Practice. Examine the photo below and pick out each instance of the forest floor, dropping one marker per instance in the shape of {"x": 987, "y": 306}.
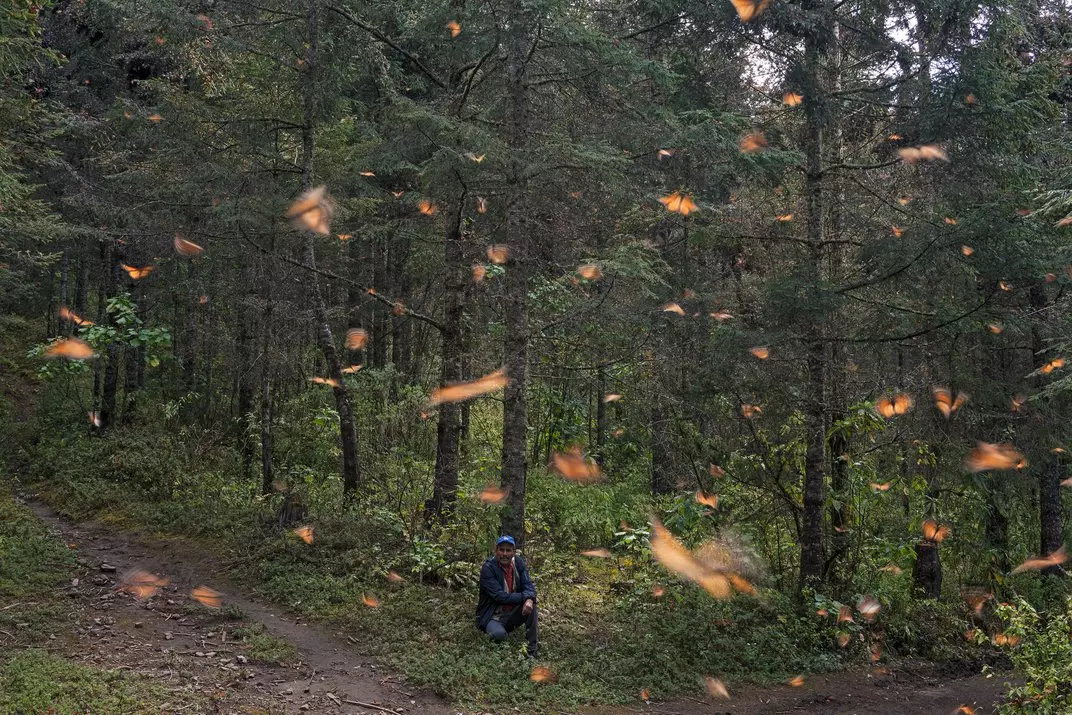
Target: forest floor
{"x": 252, "y": 658}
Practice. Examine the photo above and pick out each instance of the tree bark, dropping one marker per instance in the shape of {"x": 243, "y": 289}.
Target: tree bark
{"x": 445, "y": 483}
{"x": 515, "y": 347}
{"x": 113, "y": 352}
{"x": 66, "y": 327}
{"x": 927, "y": 571}
{"x": 815, "y": 411}
{"x": 351, "y": 474}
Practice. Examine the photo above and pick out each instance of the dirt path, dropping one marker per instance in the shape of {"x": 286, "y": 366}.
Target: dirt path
{"x": 170, "y": 638}
{"x": 165, "y": 637}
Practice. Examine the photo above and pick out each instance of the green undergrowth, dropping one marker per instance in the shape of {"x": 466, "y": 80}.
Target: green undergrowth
{"x": 260, "y": 645}
{"x": 34, "y": 681}
{"x": 34, "y": 564}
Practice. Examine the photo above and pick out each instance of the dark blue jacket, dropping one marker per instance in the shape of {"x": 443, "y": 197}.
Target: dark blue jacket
{"x": 493, "y": 591}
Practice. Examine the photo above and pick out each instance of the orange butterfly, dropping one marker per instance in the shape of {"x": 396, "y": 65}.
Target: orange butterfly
{"x": 356, "y": 338}
{"x": 207, "y": 597}
{"x": 715, "y": 687}
{"x": 590, "y": 272}
{"x": 460, "y": 391}
{"x": 796, "y": 682}
{"x": 479, "y": 272}
{"x": 710, "y": 500}
{"x": 71, "y": 349}
{"x": 784, "y": 217}
{"x": 187, "y": 248}
{"x": 473, "y": 157}
{"x": 718, "y": 581}
{"x": 428, "y": 208}
{"x": 498, "y": 254}
{"x": 967, "y": 250}
{"x": 542, "y": 674}
{"x": 928, "y": 152}
{"x": 330, "y": 381}
{"x": 749, "y": 10}
{"x": 351, "y": 369}
{"x": 481, "y": 205}
{"x": 750, "y": 411}
{"x": 933, "y": 531}
{"x": 674, "y": 308}
{"x": 752, "y": 143}
{"x": 312, "y": 211}
{"x": 305, "y": 533}
{"x": 67, "y": 314}
{"x": 573, "y": 466}
{"x": 791, "y": 99}
{"x": 137, "y": 273}
{"x": 892, "y": 407}
{"x": 1052, "y": 365}
{"x": 1055, "y": 559}
{"x": 897, "y": 231}
{"x": 597, "y": 553}
{"x": 370, "y": 601}
{"x": 366, "y": 173}
{"x": 491, "y": 495}
{"x": 946, "y": 403}
{"x": 721, "y": 315}
{"x": 994, "y": 456}
{"x": 760, "y": 352}
{"x": 679, "y": 203}
{"x": 455, "y": 28}
{"x": 141, "y": 584}
{"x": 664, "y": 154}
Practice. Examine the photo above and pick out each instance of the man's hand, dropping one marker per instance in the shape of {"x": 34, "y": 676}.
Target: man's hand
{"x": 527, "y": 608}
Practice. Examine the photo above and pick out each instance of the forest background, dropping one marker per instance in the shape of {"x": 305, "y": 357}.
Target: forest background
{"x": 789, "y": 275}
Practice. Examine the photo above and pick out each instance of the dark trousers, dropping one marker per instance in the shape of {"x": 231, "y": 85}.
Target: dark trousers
{"x": 498, "y": 629}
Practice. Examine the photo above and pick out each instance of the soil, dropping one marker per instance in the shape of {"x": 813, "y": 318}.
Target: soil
{"x": 187, "y": 647}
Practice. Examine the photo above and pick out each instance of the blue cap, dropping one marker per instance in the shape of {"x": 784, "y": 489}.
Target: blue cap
{"x": 506, "y": 540}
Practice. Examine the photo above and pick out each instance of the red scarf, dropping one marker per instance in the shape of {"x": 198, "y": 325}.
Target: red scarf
{"x": 508, "y": 574}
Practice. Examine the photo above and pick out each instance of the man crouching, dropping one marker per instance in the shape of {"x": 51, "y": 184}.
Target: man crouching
{"x": 507, "y": 595}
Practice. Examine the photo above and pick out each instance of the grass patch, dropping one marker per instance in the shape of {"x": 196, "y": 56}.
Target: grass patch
{"x": 34, "y": 681}
{"x": 260, "y": 645}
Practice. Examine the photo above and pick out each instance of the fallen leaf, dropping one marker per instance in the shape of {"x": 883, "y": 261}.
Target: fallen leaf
{"x": 457, "y": 392}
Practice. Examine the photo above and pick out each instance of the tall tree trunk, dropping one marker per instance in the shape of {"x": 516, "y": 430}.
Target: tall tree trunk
{"x": 267, "y": 467}
{"x": 662, "y": 472}
{"x": 1051, "y": 513}
{"x": 351, "y": 474}
{"x": 66, "y": 327}
{"x": 515, "y": 344}
{"x": 246, "y": 387}
{"x": 445, "y": 484}
{"x": 600, "y": 441}
{"x": 815, "y": 411}
{"x": 113, "y": 352}
{"x": 81, "y": 286}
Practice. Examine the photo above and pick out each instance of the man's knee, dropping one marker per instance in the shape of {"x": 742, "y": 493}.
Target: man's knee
{"x": 496, "y": 631}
